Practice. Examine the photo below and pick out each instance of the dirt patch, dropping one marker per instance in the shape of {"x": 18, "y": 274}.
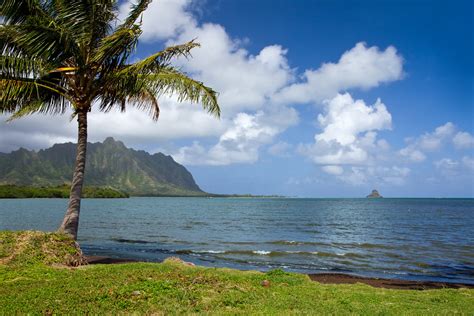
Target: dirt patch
{"x": 107, "y": 260}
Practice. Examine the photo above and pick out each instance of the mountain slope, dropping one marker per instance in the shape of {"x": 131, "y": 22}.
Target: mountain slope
{"x": 108, "y": 164}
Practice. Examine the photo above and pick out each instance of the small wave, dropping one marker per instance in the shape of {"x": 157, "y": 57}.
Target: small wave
{"x": 268, "y": 253}
{"x": 262, "y": 252}
{"x": 285, "y": 242}
{"x": 209, "y": 251}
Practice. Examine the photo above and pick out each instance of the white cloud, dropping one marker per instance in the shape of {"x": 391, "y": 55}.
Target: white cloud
{"x": 417, "y": 148}
{"x": 241, "y": 142}
{"x": 463, "y": 140}
{"x": 455, "y": 169}
{"x": 361, "y": 67}
{"x": 334, "y": 170}
{"x": 176, "y": 121}
{"x": 378, "y": 175}
{"x": 163, "y": 18}
{"x": 346, "y": 118}
{"x": 244, "y": 81}
{"x": 412, "y": 154}
{"x": 256, "y": 92}
{"x": 448, "y": 167}
{"x": 35, "y": 132}
{"x": 348, "y": 148}
{"x": 134, "y": 127}
{"x": 394, "y": 175}
{"x": 348, "y": 135}
{"x": 355, "y": 176}
{"x": 433, "y": 141}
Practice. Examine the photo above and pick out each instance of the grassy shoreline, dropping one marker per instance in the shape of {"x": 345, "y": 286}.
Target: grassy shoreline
{"x": 10, "y": 191}
{"x": 62, "y": 191}
{"x": 36, "y": 277}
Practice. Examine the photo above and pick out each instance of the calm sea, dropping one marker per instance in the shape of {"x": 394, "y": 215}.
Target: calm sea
{"x": 422, "y": 239}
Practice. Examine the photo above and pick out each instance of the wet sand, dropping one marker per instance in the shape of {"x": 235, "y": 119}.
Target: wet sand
{"x": 107, "y": 260}
{"x": 333, "y": 278}
{"x": 339, "y": 278}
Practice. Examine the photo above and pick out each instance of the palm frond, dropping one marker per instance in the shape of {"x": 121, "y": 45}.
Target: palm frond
{"x": 147, "y": 101}
{"x": 114, "y": 50}
{"x": 35, "y": 40}
{"x": 172, "y": 82}
{"x": 62, "y": 53}
{"x": 14, "y": 11}
{"x": 135, "y": 13}
{"x": 18, "y": 66}
{"x": 124, "y": 86}
{"x": 162, "y": 58}
{"x": 22, "y": 96}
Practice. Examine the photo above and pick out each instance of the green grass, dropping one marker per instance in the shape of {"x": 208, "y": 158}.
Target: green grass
{"x": 31, "y": 281}
{"x": 62, "y": 191}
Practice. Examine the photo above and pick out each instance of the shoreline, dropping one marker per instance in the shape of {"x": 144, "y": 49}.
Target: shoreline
{"x": 332, "y": 278}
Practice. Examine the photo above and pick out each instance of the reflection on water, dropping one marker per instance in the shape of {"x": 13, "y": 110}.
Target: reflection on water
{"x": 429, "y": 239}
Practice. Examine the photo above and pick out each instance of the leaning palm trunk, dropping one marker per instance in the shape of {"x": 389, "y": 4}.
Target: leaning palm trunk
{"x": 70, "y": 223}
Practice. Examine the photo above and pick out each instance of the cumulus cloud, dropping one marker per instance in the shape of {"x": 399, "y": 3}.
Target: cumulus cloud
{"x": 249, "y": 82}
{"x": 360, "y": 67}
{"x": 241, "y": 142}
{"x": 463, "y": 140}
{"x": 334, "y": 170}
{"x": 412, "y": 154}
{"x": 162, "y": 19}
{"x": 447, "y": 166}
{"x": 134, "y": 127}
{"x": 455, "y": 168}
{"x": 244, "y": 81}
{"x": 348, "y": 148}
{"x": 362, "y": 175}
{"x": 418, "y": 147}
{"x": 257, "y": 91}
{"x": 35, "y": 132}
{"x": 349, "y": 132}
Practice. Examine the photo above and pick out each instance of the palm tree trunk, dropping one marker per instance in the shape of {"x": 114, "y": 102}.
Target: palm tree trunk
{"x": 71, "y": 219}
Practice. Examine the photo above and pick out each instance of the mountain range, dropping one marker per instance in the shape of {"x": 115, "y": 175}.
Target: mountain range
{"x": 109, "y": 164}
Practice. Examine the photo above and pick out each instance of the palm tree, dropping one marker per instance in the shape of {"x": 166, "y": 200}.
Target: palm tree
{"x": 74, "y": 54}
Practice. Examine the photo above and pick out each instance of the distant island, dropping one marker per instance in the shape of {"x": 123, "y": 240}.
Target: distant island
{"x": 374, "y": 195}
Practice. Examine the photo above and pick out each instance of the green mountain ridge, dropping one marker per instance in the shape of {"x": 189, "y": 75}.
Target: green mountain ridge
{"x": 109, "y": 164}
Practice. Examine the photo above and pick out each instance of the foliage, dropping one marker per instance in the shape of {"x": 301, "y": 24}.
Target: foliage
{"x": 174, "y": 288}
{"x": 22, "y": 192}
{"x": 109, "y": 164}
{"x": 60, "y": 55}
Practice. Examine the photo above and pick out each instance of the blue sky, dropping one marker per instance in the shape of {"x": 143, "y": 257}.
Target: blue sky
{"x": 319, "y": 98}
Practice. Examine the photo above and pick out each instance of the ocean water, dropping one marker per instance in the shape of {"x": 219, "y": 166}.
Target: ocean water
{"x": 420, "y": 239}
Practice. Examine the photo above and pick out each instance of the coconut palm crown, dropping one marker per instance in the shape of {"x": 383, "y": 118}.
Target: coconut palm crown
{"x": 62, "y": 55}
